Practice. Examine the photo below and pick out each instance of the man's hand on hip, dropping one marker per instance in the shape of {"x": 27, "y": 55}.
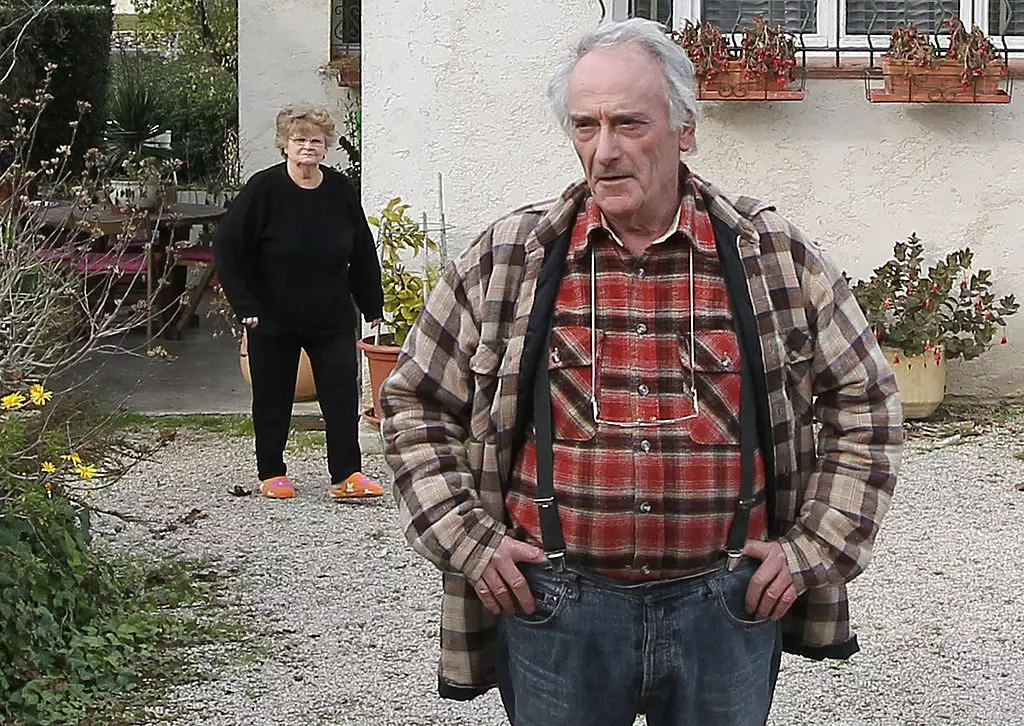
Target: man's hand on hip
{"x": 502, "y": 585}
{"x": 771, "y": 591}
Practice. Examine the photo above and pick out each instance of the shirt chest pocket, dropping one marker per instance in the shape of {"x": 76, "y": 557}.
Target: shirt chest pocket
{"x": 712, "y": 365}
{"x": 573, "y": 371}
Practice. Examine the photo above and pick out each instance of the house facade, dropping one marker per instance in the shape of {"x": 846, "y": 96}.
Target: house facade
{"x": 457, "y": 87}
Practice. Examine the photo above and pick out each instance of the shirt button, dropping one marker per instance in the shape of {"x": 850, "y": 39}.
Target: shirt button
{"x": 641, "y": 273}
{"x": 641, "y": 329}
{"x": 643, "y": 389}
{"x": 645, "y": 507}
{"x": 645, "y": 446}
{"x": 646, "y": 569}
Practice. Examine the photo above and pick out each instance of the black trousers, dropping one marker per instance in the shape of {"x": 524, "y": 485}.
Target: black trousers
{"x": 273, "y": 366}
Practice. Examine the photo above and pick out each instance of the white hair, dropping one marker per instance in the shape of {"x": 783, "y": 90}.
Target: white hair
{"x": 649, "y": 35}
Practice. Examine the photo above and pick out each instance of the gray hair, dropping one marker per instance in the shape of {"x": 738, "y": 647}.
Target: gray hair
{"x": 303, "y": 114}
{"x": 649, "y": 35}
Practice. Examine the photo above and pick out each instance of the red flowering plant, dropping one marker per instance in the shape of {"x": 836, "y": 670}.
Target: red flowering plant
{"x": 973, "y": 51}
{"x": 907, "y": 44}
{"x": 768, "y": 52}
{"x": 706, "y": 48}
{"x": 947, "y": 308}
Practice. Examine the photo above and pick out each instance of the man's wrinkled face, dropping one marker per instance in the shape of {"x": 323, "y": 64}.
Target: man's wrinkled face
{"x": 619, "y": 118}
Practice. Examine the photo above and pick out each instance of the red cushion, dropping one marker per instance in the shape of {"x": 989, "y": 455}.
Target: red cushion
{"x": 94, "y": 262}
{"x": 201, "y": 254}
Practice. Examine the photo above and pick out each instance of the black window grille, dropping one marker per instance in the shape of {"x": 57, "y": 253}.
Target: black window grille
{"x": 796, "y": 16}
{"x": 346, "y": 26}
{"x": 660, "y": 10}
{"x": 1006, "y": 17}
{"x": 878, "y": 17}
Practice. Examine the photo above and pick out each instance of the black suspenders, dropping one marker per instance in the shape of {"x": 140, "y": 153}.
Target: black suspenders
{"x": 551, "y": 526}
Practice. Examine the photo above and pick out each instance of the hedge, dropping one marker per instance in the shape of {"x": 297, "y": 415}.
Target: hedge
{"x": 77, "y": 39}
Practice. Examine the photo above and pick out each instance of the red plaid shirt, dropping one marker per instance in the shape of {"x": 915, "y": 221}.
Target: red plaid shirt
{"x": 651, "y": 502}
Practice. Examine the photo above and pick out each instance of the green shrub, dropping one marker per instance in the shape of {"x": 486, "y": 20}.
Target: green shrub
{"x": 75, "y": 630}
{"x": 77, "y": 39}
{"x": 199, "y": 103}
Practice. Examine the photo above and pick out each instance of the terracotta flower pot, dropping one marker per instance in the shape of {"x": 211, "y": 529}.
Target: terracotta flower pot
{"x": 305, "y": 386}
{"x": 381, "y": 358}
{"x": 940, "y": 82}
{"x": 731, "y": 83}
{"x": 921, "y": 380}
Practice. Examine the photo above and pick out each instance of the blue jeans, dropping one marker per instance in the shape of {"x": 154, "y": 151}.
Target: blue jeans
{"x": 599, "y": 651}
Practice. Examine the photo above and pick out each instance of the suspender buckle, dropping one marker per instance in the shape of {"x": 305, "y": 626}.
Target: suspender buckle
{"x": 557, "y": 560}
{"x": 732, "y": 559}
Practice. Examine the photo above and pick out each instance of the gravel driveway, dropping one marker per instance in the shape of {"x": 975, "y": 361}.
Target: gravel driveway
{"x": 352, "y": 611}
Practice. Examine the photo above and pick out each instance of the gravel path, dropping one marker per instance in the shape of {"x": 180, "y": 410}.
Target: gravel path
{"x": 352, "y": 611}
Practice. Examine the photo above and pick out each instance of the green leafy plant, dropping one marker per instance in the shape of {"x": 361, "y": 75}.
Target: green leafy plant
{"x": 400, "y": 237}
{"x": 75, "y": 39}
{"x": 135, "y": 120}
{"x": 944, "y": 309}
{"x": 351, "y": 143}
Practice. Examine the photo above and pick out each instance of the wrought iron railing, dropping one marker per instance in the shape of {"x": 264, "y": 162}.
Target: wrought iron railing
{"x": 346, "y": 27}
{"x": 867, "y": 22}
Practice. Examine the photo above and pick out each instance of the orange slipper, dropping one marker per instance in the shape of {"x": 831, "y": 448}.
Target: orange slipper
{"x": 357, "y": 486}
{"x": 277, "y": 487}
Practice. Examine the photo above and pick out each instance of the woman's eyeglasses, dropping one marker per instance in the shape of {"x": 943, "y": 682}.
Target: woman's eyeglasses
{"x": 302, "y": 141}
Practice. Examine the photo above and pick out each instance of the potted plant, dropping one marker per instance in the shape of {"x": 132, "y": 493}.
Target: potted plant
{"x": 924, "y": 318}
{"x": 220, "y": 309}
{"x": 764, "y": 65}
{"x": 400, "y": 239}
{"x": 916, "y": 69}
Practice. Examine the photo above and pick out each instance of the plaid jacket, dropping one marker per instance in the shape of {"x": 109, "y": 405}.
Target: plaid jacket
{"x": 450, "y": 410}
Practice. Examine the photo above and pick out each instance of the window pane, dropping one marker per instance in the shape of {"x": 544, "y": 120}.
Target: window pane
{"x": 660, "y": 10}
{"x": 796, "y": 16}
{"x": 878, "y": 17}
{"x": 345, "y": 25}
{"x": 1006, "y": 17}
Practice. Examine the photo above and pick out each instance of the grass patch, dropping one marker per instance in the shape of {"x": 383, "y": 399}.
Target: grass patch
{"x": 229, "y": 425}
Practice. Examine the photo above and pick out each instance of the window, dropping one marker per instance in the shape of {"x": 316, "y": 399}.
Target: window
{"x": 346, "y": 27}
{"x": 660, "y": 10}
{"x": 839, "y": 23}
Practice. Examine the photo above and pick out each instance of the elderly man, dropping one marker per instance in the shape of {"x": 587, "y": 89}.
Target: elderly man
{"x": 601, "y": 428}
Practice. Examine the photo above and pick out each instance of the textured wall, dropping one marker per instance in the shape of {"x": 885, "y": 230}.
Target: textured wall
{"x": 282, "y": 47}
{"x": 457, "y": 86}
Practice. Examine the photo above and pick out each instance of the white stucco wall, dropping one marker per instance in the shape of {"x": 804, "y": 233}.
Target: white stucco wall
{"x": 457, "y": 86}
{"x": 283, "y": 45}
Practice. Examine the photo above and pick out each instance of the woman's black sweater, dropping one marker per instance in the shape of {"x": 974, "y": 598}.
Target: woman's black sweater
{"x": 296, "y": 257}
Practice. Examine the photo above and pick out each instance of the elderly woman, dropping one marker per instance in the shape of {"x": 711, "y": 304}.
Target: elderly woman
{"x": 292, "y": 253}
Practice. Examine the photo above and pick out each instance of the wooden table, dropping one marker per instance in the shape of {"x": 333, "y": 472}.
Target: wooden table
{"x": 172, "y": 222}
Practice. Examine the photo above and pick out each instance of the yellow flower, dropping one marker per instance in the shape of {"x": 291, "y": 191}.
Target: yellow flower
{"x": 86, "y": 472}
{"x": 72, "y": 457}
{"x": 12, "y": 400}
{"x": 39, "y": 395}
{"x": 48, "y": 467}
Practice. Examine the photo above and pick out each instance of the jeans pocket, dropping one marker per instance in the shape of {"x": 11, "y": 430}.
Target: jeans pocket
{"x": 549, "y": 596}
{"x": 730, "y": 591}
